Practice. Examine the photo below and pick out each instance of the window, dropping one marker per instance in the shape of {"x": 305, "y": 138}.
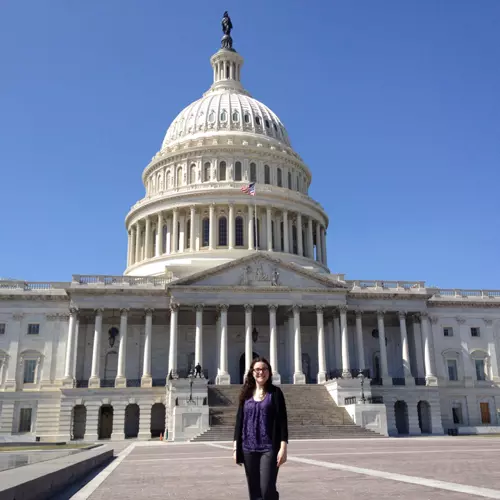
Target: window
{"x": 188, "y": 234}
{"x": 25, "y": 420}
{"x": 474, "y": 331}
{"x": 211, "y": 116}
{"x": 480, "y": 369}
{"x": 289, "y": 180}
{"x": 448, "y": 331}
{"x": 275, "y": 127}
{"x": 267, "y": 123}
{"x": 192, "y": 174}
{"x": 247, "y": 118}
{"x": 282, "y": 247}
{"x": 236, "y": 117}
{"x": 237, "y": 171}
{"x": 294, "y": 239}
{"x": 239, "y": 231}
{"x": 222, "y": 171}
{"x": 222, "y": 232}
{"x": 179, "y": 235}
{"x": 456, "y": 411}
{"x": 257, "y": 120}
{"x": 29, "y": 371}
{"x": 280, "y": 177}
{"x": 206, "y": 232}
{"x": 452, "y": 369}
{"x": 267, "y": 174}
{"x": 179, "y": 176}
{"x": 33, "y": 329}
{"x": 297, "y": 183}
{"x": 169, "y": 179}
{"x": 253, "y": 172}
{"x": 223, "y": 116}
{"x": 206, "y": 172}
{"x": 256, "y": 237}
{"x": 2, "y": 328}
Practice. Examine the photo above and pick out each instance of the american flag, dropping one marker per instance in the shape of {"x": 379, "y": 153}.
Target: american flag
{"x": 250, "y": 189}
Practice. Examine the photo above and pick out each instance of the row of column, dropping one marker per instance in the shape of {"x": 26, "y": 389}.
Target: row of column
{"x": 340, "y": 335}
{"x": 140, "y": 236}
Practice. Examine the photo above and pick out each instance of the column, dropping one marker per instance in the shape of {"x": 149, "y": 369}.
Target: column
{"x": 175, "y": 231}
{"x": 129, "y": 248}
{"x": 290, "y": 235}
{"x": 430, "y": 372}
{"x": 323, "y": 245}
{"x": 159, "y": 235}
{"x": 310, "y": 244}
{"x": 319, "y": 253}
{"x": 298, "y": 375}
{"x": 144, "y": 421}
{"x": 199, "y": 229}
{"x": 137, "y": 243}
{"x": 146, "y": 380}
{"x": 273, "y": 344}
{"x": 269, "y": 230}
{"x": 223, "y": 377}
{"x": 133, "y": 240}
{"x": 95, "y": 381}
{"x": 248, "y": 337}
{"x": 198, "y": 339}
{"x": 277, "y": 234}
{"x": 147, "y": 243}
{"x": 231, "y": 222}
{"x": 346, "y": 362}
{"x": 405, "y": 349}
{"x": 321, "y": 345}
{"x": 172, "y": 352}
{"x": 384, "y": 370}
{"x": 70, "y": 347}
{"x": 330, "y": 346}
{"x": 337, "y": 343}
{"x": 211, "y": 235}
{"x": 192, "y": 224}
{"x": 419, "y": 370}
{"x": 300, "y": 243}
{"x": 121, "y": 380}
{"x": 250, "y": 227}
{"x": 118, "y": 432}
{"x": 286, "y": 241}
{"x": 359, "y": 341}
{"x": 182, "y": 233}
{"x": 75, "y": 350}
{"x": 492, "y": 349}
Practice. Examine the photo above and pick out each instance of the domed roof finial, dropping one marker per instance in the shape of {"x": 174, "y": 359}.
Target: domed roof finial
{"x": 227, "y": 26}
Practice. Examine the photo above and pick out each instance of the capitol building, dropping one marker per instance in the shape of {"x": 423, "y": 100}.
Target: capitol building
{"x": 227, "y": 259}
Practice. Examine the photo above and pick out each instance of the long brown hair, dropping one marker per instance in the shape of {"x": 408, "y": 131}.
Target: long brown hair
{"x": 250, "y": 383}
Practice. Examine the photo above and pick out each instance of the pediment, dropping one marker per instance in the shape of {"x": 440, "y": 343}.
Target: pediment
{"x": 260, "y": 271}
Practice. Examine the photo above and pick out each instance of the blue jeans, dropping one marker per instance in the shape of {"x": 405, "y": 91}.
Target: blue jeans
{"x": 261, "y": 471}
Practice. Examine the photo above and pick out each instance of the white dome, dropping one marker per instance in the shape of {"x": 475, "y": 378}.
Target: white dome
{"x": 223, "y": 111}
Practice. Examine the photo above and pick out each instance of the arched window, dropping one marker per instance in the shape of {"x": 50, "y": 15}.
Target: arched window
{"x": 206, "y": 172}
{"x": 257, "y": 120}
{"x": 236, "y": 116}
{"x": 222, "y": 231}
{"x": 247, "y": 118}
{"x": 280, "y": 177}
{"x": 237, "y": 171}
{"x": 222, "y": 171}
{"x": 253, "y": 172}
{"x": 188, "y": 234}
{"x": 179, "y": 176}
{"x": 211, "y": 116}
{"x": 282, "y": 245}
{"x": 289, "y": 180}
{"x": 165, "y": 231}
{"x": 169, "y": 178}
{"x": 223, "y": 116}
{"x": 267, "y": 174}
{"x": 192, "y": 174}
{"x": 206, "y": 232}
{"x": 238, "y": 223}
{"x": 267, "y": 123}
{"x": 294, "y": 239}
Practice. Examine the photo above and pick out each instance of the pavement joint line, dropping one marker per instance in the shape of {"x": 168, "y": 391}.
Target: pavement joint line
{"x": 394, "y": 452}
{"x": 92, "y": 485}
{"x": 419, "y": 481}
{"x": 175, "y": 459}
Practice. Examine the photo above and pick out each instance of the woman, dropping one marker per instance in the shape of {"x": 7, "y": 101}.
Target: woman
{"x": 261, "y": 431}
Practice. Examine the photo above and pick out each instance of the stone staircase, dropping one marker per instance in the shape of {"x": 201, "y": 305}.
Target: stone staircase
{"x": 312, "y": 414}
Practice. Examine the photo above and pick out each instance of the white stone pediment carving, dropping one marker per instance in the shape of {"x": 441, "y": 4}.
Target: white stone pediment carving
{"x": 260, "y": 271}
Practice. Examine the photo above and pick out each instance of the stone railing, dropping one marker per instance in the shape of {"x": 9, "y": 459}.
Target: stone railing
{"x": 460, "y": 294}
{"x": 29, "y": 286}
{"x": 387, "y": 285}
{"x": 101, "y": 279}
{"x": 282, "y": 192}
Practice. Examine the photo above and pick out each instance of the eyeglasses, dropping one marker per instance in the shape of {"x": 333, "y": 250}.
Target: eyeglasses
{"x": 260, "y": 370}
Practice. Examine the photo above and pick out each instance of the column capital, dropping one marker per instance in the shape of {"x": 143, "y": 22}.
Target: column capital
{"x": 488, "y": 321}
{"x": 296, "y": 308}
{"x": 248, "y": 307}
{"x": 415, "y": 317}
{"x": 424, "y": 315}
{"x": 434, "y": 320}
{"x": 402, "y": 314}
{"x": 174, "y": 306}
{"x": 342, "y": 309}
{"x": 272, "y": 307}
{"x": 198, "y": 307}
{"x": 148, "y": 311}
{"x": 380, "y": 313}
{"x": 124, "y": 311}
{"x": 73, "y": 311}
{"x": 175, "y": 210}
{"x": 99, "y": 311}
{"x": 460, "y": 320}
{"x": 358, "y": 313}
{"x": 319, "y": 308}
{"x": 223, "y": 307}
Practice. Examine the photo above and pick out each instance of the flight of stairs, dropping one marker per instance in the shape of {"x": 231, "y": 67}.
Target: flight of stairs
{"x": 312, "y": 414}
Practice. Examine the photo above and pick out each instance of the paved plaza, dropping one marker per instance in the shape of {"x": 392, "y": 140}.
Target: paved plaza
{"x": 412, "y": 468}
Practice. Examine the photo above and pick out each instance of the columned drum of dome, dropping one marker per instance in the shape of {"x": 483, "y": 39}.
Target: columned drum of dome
{"x": 195, "y": 215}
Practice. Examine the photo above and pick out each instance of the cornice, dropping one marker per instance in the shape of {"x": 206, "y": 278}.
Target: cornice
{"x": 403, "y": 295}
{"x": 464, "y": 305}
{"x": 254, "y": 289}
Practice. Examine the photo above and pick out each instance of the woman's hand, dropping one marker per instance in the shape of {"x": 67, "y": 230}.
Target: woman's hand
{"x": 234, "y": 453}
{"x": 282, "y": 454}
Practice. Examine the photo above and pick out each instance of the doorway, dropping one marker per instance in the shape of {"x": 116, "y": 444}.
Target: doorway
{"x": 132, "y": 421}
{"x": 485, "y": 413}
{"x": 401, "y": 413}
{"x": 105, "y": 422}
{"x": 424, "y": 417}
{"x": 79, "y": 422}
{"x": 242, "y": 365}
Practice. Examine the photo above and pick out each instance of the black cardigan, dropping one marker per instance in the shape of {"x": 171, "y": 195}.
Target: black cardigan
{"x": 277, "y": 423}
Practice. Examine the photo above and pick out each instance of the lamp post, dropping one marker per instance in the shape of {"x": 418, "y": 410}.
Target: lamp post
{"x": 191, "y": 401}
{"x": 361, "y": 377}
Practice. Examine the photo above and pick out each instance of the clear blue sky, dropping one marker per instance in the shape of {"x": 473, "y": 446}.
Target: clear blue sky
{"x": 394, "y": 105}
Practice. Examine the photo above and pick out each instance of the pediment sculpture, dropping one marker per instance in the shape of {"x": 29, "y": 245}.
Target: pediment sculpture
{"x": 257, "y": 275}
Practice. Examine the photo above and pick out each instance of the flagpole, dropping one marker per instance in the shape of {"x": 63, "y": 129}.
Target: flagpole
{"x": 255, "y": 222}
